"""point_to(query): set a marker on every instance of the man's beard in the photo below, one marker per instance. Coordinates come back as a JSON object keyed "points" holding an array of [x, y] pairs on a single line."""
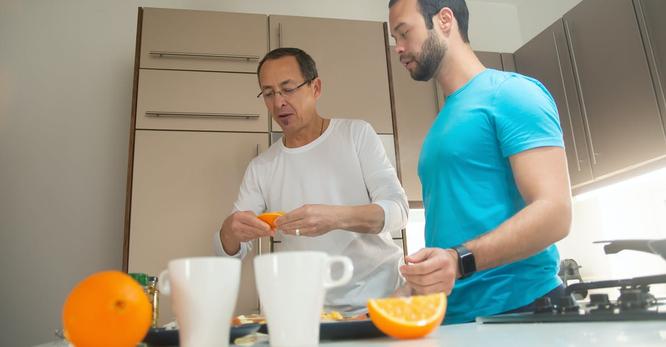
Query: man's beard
{"points": [[427, 64]]}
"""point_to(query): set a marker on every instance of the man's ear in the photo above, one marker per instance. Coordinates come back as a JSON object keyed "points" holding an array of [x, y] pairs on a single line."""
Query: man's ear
{"points": [[316, 84], [444, 20]]}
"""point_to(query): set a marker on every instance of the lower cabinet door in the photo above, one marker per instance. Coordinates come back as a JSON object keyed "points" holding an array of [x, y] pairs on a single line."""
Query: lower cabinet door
{"points": [[184, 185]]}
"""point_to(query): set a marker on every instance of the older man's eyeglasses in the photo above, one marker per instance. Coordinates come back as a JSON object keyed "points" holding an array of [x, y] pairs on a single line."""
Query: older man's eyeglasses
{"points": [[269, 94]]}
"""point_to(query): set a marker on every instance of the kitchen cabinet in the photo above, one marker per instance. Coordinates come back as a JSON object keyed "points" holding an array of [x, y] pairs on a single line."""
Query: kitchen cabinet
{"points": [[196, 124], [547, 58], [508, 62], [195, 100], [650, 16], [618, 100], [491, 60], [184, 185], [415, 110], [202, 40], [351, 61], [609, 102]]}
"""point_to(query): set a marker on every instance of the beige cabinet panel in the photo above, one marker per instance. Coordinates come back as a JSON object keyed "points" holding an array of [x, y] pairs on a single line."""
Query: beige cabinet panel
{"points": [[202, 40], [193, 100], [415, 110], [351, 60], [184, 185]]}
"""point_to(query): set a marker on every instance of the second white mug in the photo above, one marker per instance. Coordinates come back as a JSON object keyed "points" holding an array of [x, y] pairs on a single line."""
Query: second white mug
{"points": [[292, 287]]}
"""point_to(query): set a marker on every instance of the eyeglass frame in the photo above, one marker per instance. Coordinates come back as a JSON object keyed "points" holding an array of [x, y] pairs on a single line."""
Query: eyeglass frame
{"points": [[288, 91]]}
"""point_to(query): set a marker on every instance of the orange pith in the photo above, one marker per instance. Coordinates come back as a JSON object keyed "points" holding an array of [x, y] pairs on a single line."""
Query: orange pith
{"points": [[106, 309], [410, 317], [270, 217]]}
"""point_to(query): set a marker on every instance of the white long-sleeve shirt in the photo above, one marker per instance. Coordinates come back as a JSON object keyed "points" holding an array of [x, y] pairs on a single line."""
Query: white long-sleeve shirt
{"points": [[346, 165]]}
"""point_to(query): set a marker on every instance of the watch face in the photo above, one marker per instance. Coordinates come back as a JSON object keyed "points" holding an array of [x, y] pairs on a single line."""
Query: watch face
{"points": [[468, 264]]}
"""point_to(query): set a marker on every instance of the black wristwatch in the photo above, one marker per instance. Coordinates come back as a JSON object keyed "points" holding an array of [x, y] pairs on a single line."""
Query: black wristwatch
{"points": [[466, 261]]}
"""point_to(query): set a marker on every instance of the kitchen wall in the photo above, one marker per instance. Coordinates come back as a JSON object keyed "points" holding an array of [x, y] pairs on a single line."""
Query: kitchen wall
{"points": [[537, 15], [65, 94], [633, 209]]}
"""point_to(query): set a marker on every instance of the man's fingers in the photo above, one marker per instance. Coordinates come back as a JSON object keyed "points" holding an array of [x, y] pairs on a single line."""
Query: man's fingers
{"points": [[423, 268], [430, 289], [426, 280], [419, 256]]}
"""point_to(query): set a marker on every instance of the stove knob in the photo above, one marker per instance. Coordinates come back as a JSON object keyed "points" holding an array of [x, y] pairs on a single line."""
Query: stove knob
{"points": [[600, 301], [568, 304], [543, 305]]}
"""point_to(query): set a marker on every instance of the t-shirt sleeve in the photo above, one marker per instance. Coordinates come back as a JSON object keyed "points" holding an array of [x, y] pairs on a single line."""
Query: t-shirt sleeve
{"points": [[525, 116], [381, 179], [249, 199]]}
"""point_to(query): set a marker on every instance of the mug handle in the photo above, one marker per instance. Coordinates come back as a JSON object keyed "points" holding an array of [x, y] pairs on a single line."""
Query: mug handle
{"points": [[163, 281], [346, 274]]}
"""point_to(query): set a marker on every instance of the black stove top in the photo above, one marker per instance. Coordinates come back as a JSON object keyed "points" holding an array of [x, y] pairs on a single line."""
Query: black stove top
{"points": [[634, 303]]}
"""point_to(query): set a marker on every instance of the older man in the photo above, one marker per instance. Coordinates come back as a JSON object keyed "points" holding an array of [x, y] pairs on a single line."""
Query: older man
{"points": [[492, 167], [332, 175]]}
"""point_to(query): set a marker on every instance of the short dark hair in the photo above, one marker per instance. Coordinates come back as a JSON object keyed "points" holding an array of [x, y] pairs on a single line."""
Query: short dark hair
{"points": [[305, 62], [431, 7]]}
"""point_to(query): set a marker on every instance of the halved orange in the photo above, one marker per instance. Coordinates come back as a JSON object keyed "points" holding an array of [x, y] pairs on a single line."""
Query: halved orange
{"points": [[408, 317], [270, 217]]}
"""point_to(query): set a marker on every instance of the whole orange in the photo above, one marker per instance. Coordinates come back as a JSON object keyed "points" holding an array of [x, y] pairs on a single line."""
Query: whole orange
{"points": [[106, 309]]}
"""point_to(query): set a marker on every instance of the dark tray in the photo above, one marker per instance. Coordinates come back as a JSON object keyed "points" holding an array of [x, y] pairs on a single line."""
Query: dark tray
{"points": [[344, 330], [164, 337]]}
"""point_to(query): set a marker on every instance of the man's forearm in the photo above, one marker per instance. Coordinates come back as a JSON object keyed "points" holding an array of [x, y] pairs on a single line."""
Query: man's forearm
{"points": [[531, 230], [367, 219]]}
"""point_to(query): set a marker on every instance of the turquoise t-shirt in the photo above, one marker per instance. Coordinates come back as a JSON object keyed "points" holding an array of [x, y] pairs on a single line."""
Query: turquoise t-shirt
{"points": [[469, 188]]}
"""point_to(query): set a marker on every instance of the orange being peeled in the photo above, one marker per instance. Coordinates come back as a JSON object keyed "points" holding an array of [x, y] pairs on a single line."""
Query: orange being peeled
{"points": [[270, 217], [106, 309], [410, 317]]}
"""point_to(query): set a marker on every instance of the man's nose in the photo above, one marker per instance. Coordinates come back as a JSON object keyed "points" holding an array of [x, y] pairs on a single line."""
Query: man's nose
{"points": [[399, 48], [279, 100]]}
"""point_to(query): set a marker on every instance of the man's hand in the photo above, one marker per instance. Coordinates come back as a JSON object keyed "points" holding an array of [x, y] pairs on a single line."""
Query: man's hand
{"points": [[240, 227], [310, 220], [431, 270]]}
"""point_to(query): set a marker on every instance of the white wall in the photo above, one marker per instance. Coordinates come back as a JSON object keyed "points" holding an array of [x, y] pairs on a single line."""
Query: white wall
{"points": [[65, 94], [633, 209], [537, 15]]}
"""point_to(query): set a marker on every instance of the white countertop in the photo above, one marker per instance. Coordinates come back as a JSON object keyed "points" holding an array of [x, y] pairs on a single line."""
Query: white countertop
{"points": [[607, 334]]}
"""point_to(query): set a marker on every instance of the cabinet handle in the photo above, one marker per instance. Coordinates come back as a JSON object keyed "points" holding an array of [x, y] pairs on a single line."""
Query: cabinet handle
{"points": [[279, 35], [566, 101], [580, 90], [202, 115], [161, 54]]}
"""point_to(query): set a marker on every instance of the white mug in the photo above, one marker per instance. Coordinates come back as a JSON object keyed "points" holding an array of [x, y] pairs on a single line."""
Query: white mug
{"points": [[203, 296], [292, 287]]}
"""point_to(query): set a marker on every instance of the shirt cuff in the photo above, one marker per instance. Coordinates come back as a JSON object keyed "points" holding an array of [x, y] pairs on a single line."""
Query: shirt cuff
{"points": [[219, 250], [393, 216]]}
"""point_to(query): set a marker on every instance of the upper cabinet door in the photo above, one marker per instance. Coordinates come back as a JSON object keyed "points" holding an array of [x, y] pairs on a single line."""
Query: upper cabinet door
{"points": [[615, 86], [651, 16], [352, 65], [202, 40], [546, 58], [491, 60]]}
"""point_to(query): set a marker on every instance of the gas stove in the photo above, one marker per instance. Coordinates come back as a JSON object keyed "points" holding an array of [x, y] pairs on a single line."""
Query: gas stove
{"points": [[581, 304]]}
